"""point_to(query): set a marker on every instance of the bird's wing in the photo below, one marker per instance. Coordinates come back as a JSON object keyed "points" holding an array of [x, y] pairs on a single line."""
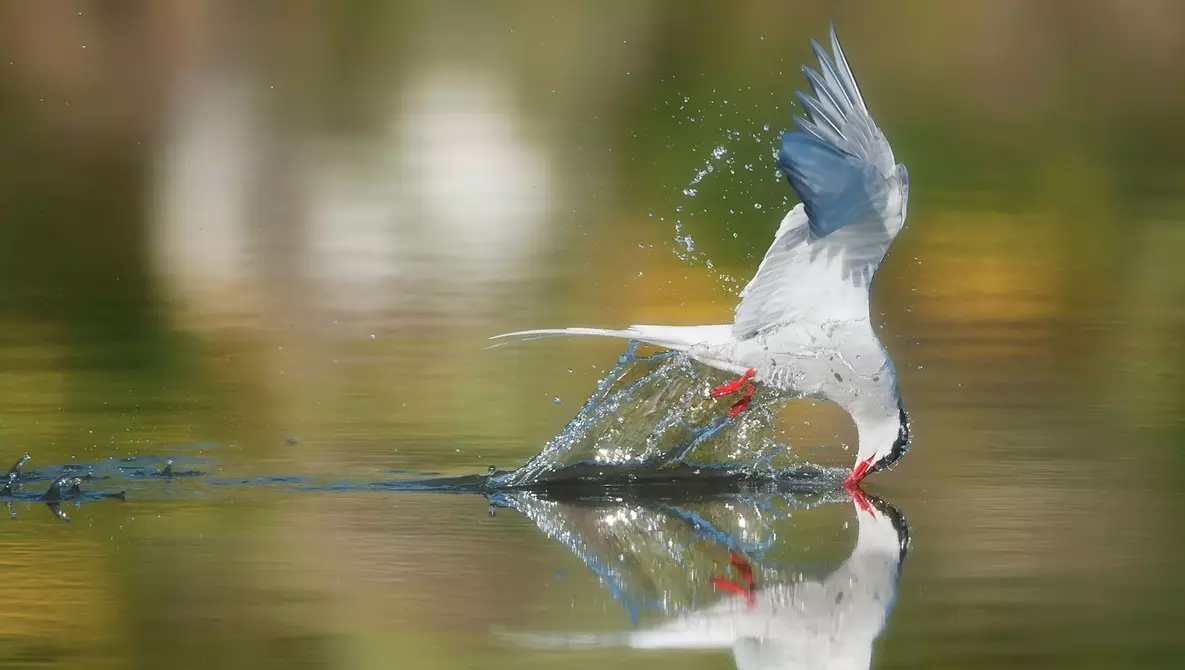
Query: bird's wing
{"points": [[854, 199]]}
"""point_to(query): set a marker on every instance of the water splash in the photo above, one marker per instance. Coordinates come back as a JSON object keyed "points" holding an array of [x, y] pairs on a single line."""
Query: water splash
{"points": [[734, 153], [112, 478], [684, 244], [651, 417]]}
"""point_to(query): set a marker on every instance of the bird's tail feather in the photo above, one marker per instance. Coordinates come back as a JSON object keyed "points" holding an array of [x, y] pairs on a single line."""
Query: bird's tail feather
{"points": [[678, 338]]}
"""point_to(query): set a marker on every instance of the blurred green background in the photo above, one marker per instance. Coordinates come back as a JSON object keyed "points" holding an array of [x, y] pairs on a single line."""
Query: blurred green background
{"points": [[230, 224]]}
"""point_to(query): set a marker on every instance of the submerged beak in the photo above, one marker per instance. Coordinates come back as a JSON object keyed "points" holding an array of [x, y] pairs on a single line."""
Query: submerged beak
{"points": [[858, 473]]}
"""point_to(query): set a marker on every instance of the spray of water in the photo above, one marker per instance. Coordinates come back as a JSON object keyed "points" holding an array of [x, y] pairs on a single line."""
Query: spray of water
{"points": [[651, 418], [652, 415], [684, 247], [735, 199]]}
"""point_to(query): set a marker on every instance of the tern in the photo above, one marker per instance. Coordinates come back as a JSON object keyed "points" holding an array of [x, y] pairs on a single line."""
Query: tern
{"points": [[802, 326]]}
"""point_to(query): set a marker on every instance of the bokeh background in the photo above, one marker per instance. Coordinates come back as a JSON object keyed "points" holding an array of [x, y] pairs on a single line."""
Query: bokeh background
{"points": [[278, 234]]}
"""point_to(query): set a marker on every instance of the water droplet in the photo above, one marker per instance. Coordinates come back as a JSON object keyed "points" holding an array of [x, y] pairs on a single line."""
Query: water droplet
{"points": [[557, 400], [569, 370], [756, 205]]}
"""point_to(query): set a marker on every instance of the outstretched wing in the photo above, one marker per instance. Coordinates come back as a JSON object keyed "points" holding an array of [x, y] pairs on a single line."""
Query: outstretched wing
{"points": [[854, 199]]}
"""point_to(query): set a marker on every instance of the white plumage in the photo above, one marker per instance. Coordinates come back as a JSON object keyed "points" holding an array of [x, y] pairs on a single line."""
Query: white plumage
{"points": [[803, 324]]}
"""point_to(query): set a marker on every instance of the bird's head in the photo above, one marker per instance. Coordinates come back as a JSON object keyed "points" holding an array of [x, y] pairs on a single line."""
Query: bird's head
{"points": [[883, 441]]}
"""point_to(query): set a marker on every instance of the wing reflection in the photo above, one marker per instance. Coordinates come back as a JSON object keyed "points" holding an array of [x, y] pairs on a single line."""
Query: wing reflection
{"points": [[713, 568]]}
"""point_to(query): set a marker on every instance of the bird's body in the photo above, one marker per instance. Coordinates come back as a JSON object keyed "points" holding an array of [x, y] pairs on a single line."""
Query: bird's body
{"points": [[803, 326]]}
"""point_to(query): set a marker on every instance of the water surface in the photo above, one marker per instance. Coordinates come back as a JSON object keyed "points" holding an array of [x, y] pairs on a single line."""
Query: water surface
{"points": [[270, 245]]}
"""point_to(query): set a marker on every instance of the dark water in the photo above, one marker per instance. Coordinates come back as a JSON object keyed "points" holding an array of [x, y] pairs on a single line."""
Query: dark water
{"points": [[269, 243]]}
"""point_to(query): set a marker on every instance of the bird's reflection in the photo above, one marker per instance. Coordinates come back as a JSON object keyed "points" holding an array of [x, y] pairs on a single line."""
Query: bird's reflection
{"points": [[714, 568]]}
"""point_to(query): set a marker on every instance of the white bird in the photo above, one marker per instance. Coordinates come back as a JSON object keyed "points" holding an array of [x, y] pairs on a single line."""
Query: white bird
{"points": [[802, 326]]}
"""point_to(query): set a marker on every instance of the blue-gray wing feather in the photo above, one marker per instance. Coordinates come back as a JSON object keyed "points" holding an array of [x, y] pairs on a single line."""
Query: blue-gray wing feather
{"points": [[837, 161], [836, 188], [842, 168]]}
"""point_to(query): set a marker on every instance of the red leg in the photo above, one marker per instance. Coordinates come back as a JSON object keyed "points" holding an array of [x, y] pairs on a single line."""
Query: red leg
{"points": [[729, 586], [742, 567], [733, 386], [739, 406], [736, 588]]}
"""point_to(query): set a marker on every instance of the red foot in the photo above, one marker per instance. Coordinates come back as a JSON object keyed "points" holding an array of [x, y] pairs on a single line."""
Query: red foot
{"points": [[734, 587], [739, 406], [742, 567], [729, 586], [733, 386]]}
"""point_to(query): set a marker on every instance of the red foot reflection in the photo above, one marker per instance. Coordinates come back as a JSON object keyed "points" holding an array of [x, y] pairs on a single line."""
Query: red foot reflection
{"points": [[737, 588]]}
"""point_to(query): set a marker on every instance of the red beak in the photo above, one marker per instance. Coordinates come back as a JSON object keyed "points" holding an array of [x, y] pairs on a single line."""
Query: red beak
{"points": [[858, 473]]}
